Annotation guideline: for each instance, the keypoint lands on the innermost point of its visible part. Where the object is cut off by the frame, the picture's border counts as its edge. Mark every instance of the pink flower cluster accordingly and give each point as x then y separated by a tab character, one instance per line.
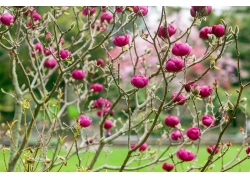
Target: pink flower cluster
218	30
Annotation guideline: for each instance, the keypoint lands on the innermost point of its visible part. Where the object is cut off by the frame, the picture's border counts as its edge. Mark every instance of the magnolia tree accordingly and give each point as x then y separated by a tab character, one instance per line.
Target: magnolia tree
114	27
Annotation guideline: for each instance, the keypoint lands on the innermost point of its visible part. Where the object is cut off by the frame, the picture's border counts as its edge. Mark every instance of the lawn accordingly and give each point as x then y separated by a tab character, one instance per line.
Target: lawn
118	154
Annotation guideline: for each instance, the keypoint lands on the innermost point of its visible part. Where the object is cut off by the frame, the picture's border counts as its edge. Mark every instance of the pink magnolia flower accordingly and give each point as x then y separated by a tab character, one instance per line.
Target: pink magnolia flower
89	10
176	135
96	87
174	64
171	121
181	49
107	124
206	91
185	155
181	99
210	149
48	50
133	146
36	16
62	41
7	19
165	32
193	133
141	10
106	16
48	37
139	81
100	62
50	63
208	120
64	54
203	10
102	103
121	41
168	166
78	74
103	112
204	32
38	47
218	30
188	87
143	147
118	9
84	121
248	150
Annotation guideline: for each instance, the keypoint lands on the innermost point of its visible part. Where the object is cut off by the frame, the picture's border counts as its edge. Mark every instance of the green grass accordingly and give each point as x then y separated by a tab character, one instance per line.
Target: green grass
118	154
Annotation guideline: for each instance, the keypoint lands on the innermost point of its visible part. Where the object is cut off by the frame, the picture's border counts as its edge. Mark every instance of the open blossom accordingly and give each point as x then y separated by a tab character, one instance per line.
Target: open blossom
102	103
176	135
106	16
218	30
108	124
204	32
211	148
89	10
181	49
7	19
171	121
143	10
168	166
206	91
121	41
193	133
181	99
208	120
78	74
96	87
174	64
50	63
168	31
185	155
84	121
143	147
139	81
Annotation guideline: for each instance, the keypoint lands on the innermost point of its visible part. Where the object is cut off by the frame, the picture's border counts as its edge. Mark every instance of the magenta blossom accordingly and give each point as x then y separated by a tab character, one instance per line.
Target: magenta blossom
133	146
103	112
48	50
171	121
118	9
218	30
7	19
139	81
96	87
143	147
141	10
50	63
174	64
176	135
248	150
164	32
38	47
78	74
168	166
121	41
36	16
208	120
84	121
204	32
193	133
64	54
206	91
181	99
102	103
62	41
185	155
188	87
210	149
106	16
100	62
202	10
181	49
89	10
108	124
